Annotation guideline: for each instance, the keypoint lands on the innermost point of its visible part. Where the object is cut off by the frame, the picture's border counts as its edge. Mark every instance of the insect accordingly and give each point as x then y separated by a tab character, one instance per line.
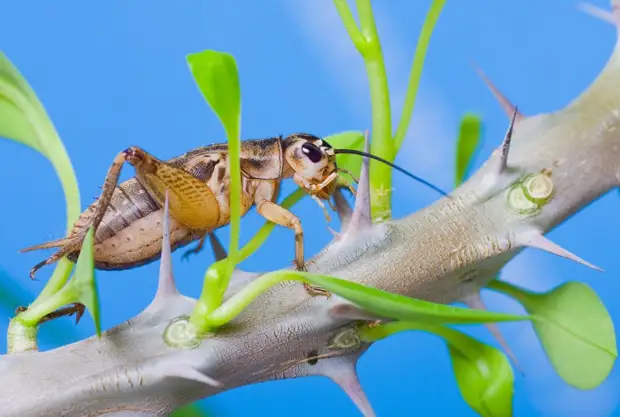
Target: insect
127	217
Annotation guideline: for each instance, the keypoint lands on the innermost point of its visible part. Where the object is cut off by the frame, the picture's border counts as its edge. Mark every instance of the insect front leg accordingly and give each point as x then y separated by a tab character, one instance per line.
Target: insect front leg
279	215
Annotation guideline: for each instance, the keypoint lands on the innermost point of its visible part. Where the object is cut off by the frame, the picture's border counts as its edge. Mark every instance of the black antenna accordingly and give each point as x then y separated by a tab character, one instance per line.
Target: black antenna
409	174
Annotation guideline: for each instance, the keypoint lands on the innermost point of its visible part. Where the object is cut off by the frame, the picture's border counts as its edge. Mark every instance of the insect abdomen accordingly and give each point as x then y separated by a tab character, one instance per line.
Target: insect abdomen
130	202
131	230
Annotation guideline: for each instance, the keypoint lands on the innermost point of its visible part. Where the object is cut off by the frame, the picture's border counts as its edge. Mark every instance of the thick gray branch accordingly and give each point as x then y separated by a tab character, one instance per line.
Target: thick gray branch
443	253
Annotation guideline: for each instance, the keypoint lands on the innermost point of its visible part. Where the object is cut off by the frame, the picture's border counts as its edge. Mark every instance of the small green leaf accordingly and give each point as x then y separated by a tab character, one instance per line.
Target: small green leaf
574	328
468	140
400	307
85	280
217	78
23	119
373	300
483	373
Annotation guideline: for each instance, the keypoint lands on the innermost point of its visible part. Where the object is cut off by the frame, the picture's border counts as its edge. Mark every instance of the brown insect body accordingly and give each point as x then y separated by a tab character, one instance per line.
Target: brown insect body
129	232
127	217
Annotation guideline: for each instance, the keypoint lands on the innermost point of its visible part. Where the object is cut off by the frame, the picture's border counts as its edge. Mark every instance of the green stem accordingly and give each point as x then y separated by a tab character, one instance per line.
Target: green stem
238	302
511	290
234	150
65	296
56	282
381	144
416	71
350	25
376	333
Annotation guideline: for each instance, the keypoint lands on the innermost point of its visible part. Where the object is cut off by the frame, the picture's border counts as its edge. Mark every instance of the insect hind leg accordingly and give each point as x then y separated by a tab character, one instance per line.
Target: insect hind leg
136	157
70	247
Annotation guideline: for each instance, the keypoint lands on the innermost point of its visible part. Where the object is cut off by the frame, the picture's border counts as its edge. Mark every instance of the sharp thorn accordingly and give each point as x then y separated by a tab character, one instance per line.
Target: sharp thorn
344	374
474	301
334	233
537	240
166	285
505	146
218	250
597	12
360	219
187	371
506	105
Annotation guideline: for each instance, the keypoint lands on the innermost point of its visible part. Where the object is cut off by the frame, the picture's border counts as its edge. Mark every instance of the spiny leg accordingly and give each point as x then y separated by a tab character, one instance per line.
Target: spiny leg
281	216
74	243
195	249
77	309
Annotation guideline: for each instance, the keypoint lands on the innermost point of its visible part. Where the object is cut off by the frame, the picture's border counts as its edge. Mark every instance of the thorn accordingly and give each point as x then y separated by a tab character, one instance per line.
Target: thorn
474	301
505	146
166	286
537	240
343	372
350	311
334	233
360	219
187	371
509	109
218	250
598	12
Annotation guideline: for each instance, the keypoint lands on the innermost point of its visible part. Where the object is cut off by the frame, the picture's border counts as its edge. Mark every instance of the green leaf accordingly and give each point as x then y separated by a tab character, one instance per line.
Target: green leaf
574	329
467	144
23	119
218	80
400	307
85	280
373	300
483	373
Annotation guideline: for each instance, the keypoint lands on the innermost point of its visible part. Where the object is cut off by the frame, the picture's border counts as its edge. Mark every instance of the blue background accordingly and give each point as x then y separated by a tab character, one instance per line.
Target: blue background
113	74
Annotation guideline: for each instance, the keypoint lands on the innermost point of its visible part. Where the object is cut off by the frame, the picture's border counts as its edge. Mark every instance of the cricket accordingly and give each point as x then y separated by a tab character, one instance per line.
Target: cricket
127	217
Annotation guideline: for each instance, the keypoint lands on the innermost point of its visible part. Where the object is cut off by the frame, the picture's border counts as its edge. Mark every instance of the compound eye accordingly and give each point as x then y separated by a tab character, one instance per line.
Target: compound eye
312	152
